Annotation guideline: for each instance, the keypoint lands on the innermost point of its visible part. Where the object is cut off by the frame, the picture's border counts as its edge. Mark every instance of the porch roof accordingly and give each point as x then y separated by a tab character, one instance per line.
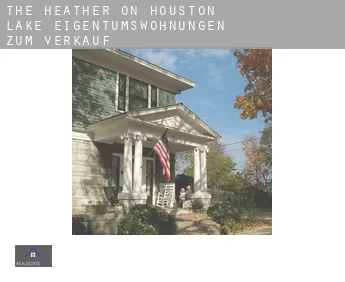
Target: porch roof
180	120
165	111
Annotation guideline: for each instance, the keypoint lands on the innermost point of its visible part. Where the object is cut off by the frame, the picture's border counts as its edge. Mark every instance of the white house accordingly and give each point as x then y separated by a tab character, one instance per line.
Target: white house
121	106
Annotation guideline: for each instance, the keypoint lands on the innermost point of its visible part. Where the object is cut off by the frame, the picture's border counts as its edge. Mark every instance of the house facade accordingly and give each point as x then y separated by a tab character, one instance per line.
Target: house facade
121	106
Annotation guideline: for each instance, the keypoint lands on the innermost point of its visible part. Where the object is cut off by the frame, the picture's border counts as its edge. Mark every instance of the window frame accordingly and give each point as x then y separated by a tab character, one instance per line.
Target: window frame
124	93
132	95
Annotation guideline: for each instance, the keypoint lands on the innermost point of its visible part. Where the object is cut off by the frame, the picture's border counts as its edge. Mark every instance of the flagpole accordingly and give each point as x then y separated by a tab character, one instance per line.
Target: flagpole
150	152
155	145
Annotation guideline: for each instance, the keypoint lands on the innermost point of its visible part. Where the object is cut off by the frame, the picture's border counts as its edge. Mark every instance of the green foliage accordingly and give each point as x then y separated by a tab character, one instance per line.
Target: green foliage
229	219
251	216
258	168
197	205
266	145
147	220
80	226
224	212
231	226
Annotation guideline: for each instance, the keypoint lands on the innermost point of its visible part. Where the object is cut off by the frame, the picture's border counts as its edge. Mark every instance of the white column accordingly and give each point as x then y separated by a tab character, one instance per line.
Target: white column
149	95
127	165
157	97
203	170
197	184
138	164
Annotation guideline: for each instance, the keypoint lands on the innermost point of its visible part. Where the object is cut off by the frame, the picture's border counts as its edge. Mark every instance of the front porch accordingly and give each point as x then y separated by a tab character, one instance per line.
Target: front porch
134	166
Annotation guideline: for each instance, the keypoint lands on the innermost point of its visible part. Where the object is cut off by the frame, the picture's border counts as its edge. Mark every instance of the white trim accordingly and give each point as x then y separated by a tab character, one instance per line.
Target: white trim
81	136
149	95
117	79
152	66
121	156
157	97
127	94
144	184
179	108
119	61
139	121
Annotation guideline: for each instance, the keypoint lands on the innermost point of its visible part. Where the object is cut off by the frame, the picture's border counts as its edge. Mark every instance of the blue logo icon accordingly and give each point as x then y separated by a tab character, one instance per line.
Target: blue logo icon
33	253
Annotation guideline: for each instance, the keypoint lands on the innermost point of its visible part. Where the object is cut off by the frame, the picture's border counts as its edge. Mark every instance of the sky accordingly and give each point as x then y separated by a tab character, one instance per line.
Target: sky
217	83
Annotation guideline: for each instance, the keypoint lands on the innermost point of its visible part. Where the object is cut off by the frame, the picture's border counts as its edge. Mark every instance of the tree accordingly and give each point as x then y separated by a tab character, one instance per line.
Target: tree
182	161
255	66
256	169
266	145
220	167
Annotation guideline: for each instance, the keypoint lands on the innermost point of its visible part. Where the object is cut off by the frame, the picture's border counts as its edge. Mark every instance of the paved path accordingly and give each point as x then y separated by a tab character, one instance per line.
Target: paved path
264	230
189	223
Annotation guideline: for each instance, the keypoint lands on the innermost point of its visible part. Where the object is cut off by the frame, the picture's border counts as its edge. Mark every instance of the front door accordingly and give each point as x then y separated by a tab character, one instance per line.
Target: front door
150	182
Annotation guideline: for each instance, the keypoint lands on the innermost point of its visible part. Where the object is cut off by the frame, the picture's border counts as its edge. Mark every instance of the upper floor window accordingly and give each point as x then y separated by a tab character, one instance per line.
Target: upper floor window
168	97
153	96
122	92
138	94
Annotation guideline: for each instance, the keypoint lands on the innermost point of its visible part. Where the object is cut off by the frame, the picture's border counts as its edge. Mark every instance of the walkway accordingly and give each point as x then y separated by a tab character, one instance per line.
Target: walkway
189	223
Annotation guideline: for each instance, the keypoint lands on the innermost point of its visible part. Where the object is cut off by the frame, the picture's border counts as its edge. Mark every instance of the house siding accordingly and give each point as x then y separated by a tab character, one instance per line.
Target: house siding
93	94
90	164
93	99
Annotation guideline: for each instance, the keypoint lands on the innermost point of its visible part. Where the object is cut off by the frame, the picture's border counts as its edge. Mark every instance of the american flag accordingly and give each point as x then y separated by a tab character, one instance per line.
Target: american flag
162	150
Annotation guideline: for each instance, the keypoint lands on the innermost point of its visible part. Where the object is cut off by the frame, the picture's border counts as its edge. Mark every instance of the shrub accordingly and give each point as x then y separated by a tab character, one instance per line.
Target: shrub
231	226
147	220
223	212
252	216
80	226
197	205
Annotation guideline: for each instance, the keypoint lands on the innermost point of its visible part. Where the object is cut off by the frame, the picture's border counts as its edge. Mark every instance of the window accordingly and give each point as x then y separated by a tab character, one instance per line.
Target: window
166	97
153	96
122	92
138	94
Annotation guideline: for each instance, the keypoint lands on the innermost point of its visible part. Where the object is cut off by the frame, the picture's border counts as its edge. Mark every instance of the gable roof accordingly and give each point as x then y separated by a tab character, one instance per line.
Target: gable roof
166	116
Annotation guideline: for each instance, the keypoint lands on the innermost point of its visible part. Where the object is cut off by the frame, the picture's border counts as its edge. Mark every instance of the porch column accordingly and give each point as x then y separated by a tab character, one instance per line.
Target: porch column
127	164
203	171
197	183
138	164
